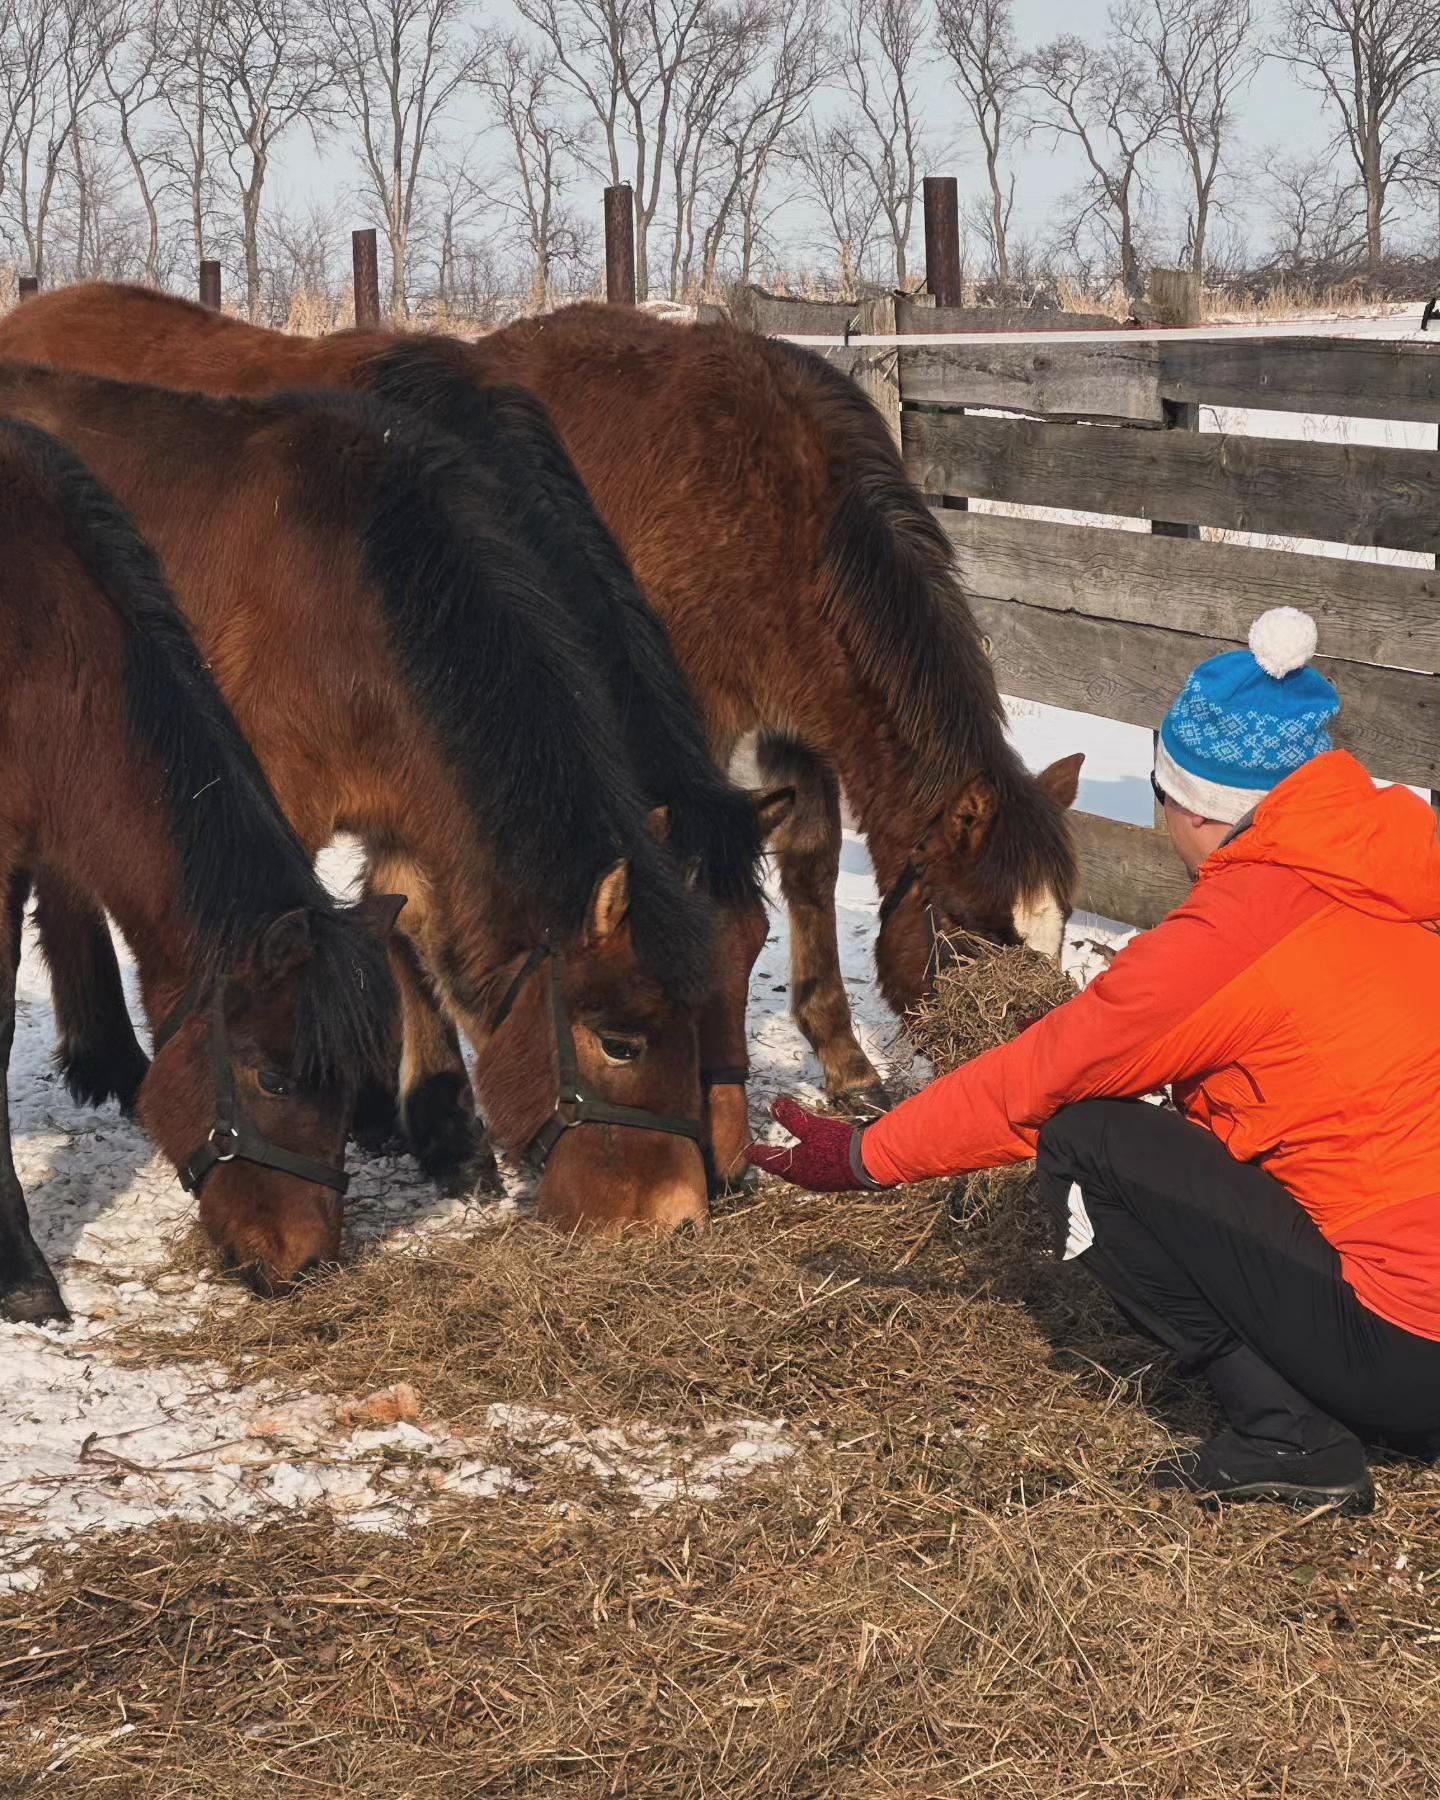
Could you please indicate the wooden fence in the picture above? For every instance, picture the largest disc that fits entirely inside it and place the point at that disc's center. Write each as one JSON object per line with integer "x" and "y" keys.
{"x": 1108, "y": 620}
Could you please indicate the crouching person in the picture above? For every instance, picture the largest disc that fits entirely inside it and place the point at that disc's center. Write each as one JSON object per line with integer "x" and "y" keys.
{"x": 1280, "y": 1231}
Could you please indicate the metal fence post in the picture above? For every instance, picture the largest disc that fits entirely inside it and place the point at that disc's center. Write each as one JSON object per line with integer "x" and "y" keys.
{"x": 29, "y": 286}
{"x": 210, "y": 284}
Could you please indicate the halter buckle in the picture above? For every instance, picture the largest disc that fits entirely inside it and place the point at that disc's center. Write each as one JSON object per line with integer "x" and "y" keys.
{"x": 225, "y": 1133}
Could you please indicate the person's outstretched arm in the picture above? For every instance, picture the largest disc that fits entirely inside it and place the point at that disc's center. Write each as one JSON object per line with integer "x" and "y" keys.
{"x": 1170, "y": 1007}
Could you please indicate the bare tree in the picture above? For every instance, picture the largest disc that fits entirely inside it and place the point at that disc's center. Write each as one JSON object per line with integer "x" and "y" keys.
{"x": 400, "y": 65}
{"x": 979, "y": 37}
{"x": 1204, "y": 55}
{"x": 53, "y": 53}
{"x": 542, "y": 154}
{"x": 132, "y": 72}
{"x": 841, "y": 182}
{"x": 270, "y": 70}
{"x": 880, "y": 64}
{"x": 1106, "y": 101}
{"x": 624, "y": 59}
{"x": 798, "y": 60}
{"x": 1370, "y": 59}
{"x": 1318, "y": 217}
{"x": 188, "y": 64}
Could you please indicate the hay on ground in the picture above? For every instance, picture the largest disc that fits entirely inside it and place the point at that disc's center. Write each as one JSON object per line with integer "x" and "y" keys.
{"x": 960, "y": 1585}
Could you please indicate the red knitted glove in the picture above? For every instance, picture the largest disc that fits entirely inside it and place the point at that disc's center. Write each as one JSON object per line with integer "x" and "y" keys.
{"x": 827, "y": 1158}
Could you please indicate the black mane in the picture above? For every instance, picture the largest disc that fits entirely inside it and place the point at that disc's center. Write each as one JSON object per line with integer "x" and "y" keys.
{"x": 498, "y": 662}
{"x": 516, "y": 446}
{"x": 241, "y": 864}
{"x": 899, "y": 609}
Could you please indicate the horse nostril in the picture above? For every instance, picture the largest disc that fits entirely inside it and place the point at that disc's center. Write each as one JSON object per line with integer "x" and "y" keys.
{"x": 255, "y": 1276}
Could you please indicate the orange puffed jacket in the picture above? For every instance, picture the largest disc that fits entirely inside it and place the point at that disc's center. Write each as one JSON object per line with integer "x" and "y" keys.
{"x": 1292, "y": 1004}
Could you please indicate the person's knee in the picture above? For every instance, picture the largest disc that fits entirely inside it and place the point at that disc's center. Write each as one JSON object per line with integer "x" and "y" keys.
{"x": 1073, "y": 1140}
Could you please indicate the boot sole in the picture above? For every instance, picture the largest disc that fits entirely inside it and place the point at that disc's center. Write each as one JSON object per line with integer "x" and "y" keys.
{"x": 1348, "y": 1502}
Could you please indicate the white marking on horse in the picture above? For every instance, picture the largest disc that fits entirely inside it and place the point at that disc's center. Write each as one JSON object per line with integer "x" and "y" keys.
{"x": 1040, "y": 925}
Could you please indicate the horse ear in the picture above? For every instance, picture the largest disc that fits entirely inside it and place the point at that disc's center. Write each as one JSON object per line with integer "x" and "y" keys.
{"x": 773, "y": 807}
{"x": 657, "y": 823}
{"x": 285, "y": 944}
{"x": 962, "y": 825}
{"x": 379, "y": 912}
{"x": 609, "y": 903}
{"x": 1061, "y": 781}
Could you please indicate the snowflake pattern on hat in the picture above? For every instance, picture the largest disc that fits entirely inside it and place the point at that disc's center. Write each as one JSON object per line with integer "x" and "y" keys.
{"x": 1249, "y": 737}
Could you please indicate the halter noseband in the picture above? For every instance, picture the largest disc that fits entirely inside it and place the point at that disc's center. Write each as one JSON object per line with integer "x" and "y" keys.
{"x": 233, "y": 1138}
{"x": 911, "y": 876}
{"x": 573, "y": 1106}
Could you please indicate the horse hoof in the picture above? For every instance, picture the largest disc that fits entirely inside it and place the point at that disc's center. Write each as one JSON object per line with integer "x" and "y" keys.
{"x": 35, "y": 1302}
{"x": 739, "y": 1187}
{"x": 863, "y": 1104}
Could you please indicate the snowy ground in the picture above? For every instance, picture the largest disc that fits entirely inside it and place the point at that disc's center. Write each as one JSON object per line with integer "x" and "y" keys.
{"x": 88, "y": 1441}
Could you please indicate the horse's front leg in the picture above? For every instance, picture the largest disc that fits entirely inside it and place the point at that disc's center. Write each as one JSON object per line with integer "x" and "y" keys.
{"x": 96, "y": 1051}
{"x": 724, "y": 1054}
{"x": 28, "y": 1291}
{"x": 806, "y": 848}
{"x": 435, "y": 1102}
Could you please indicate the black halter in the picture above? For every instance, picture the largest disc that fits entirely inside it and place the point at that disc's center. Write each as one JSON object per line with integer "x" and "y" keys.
{"x": 233, "y": 1138}
{"x": 574, "y": 1106}
{"x": 909, "y": 876}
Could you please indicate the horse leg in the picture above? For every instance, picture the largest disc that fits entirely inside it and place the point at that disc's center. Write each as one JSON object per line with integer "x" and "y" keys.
{"x": 807, "y": 849}
{"x": 97, "y": 1051}
{"x": 28, "y": 1291}
{"x": 435, "y": 1101}
{"x": 724, "y": 1052}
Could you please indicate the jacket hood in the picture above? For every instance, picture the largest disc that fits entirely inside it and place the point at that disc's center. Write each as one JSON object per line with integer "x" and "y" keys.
{"x": 1375, "y": 850}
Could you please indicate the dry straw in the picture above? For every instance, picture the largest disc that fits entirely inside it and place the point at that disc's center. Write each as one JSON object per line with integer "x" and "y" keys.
{"x": 960, "y": 1586}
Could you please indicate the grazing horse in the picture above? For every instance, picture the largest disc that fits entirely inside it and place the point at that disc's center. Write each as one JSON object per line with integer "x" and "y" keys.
{"x": 124, "y": 777}
{"x": 397, "y": 654}
{"x": 807, "y": 589}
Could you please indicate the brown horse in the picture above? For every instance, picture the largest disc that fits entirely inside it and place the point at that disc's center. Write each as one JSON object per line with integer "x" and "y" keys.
{"x": 397, "y": 655}
{"x": 123, "y": 777}
{"x": 806, "y": 587}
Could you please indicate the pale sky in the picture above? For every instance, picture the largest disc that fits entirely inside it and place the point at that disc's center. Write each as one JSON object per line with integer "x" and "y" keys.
{"x": 1277, "y": 115}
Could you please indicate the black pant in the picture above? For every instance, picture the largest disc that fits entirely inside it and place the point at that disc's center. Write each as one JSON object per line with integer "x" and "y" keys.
{"x": 1216, "y": 1261}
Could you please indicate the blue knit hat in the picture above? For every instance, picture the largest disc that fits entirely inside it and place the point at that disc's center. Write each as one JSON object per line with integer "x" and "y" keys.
{"x": 1246, "y": 720}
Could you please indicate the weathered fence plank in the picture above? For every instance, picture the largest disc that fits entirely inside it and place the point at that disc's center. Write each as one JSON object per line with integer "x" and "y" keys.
{"x": 1369, "y": 379}
{"x": 1127, "y": 872}
{"x": 1073, "y": 380}
{"x": 1345, "y": 493}
{"x": 927, "y": 321}
{"x": 1367, "y": 612}
{"x": 1390, "y": 717}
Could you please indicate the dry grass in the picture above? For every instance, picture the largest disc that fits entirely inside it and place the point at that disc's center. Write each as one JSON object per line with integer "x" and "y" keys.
{"x": 961, "y": 1585}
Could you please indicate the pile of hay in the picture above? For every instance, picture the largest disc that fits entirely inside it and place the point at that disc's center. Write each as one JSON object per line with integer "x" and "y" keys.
{"x": 984, "y": 995}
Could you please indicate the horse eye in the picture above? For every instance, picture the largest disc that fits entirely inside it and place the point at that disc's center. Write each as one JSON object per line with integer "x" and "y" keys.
{"x": 271, "y": 1083}
{"x": 622, "y": 1050}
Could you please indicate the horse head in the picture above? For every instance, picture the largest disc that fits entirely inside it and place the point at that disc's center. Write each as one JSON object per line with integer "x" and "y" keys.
{"x": 995, "y": 863}
{"x": 254, "y": 1078}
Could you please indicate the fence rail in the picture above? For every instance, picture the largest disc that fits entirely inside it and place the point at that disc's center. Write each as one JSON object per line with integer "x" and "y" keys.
{"x": 1108, "y": 619}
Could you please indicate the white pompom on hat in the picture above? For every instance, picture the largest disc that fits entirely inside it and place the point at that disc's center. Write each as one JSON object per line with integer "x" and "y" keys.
{"x": 1283, "y": 640}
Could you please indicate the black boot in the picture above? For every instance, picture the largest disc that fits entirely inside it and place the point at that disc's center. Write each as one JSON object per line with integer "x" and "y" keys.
{"x": 1277, "y": 1445}
{"x": 1234, "y": 1467}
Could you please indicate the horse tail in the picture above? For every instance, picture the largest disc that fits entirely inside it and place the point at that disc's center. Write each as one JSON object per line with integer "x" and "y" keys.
{"x": 713, "y": 824}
